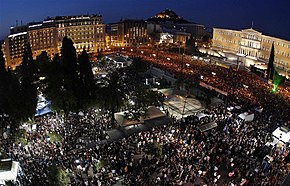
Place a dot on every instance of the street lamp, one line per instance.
(286, 74)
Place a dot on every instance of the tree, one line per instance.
(2, 63)
(206, 38)
(3, 82)
(57, 176)
(28, 68)
(270, 69)
(86, 73)
(69, 58)
(42, 61)
(112, 93)
(71, 81)
(17, 100)
(61, 96)
(277, 79)
(138, 66)
(27, 83)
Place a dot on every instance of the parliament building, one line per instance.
(253, 44)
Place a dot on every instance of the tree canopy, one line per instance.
(270, 69)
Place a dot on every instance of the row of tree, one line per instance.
(18, 93)
(68, 81)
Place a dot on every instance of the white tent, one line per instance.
(282, 134)
(246, 116)
(238, 107)
(9, 173)
(201, 115)
(152, 113)
(259, 109)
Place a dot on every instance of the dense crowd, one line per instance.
(242, 87)
(230, 154)
(75, 131)
(227, 155)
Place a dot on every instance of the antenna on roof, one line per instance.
(252, 24)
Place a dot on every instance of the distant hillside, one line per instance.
(167, 15)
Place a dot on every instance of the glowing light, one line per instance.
(48, 21)
(18, 34)
(142, 52)
(168, 58)
(274, 89)
(37, 25)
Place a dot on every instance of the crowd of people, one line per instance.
(227, 155)
(241, 86)
(177, 153)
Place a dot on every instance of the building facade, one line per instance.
(196, 30)
(129, 33)
(253, 44)
(85, 31)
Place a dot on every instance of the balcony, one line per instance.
(252, 39)
(256, 48)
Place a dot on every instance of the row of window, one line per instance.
(84, 29)
(41, 33)
(82, 33)
(228, 33)
(78, 23)
(251, 36)
(276, 43)
(281, 62)
(276, 51)
(250, 44)
(227, 40)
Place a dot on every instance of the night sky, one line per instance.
(272, 17)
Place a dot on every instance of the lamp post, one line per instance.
(182, 62)
(286, 72)
(183, 109)
(157, 53)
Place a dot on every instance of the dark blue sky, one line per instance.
(272, 17)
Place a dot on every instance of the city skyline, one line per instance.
(269, 17)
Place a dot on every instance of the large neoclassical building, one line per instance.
(86, 31)
(253, 44)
